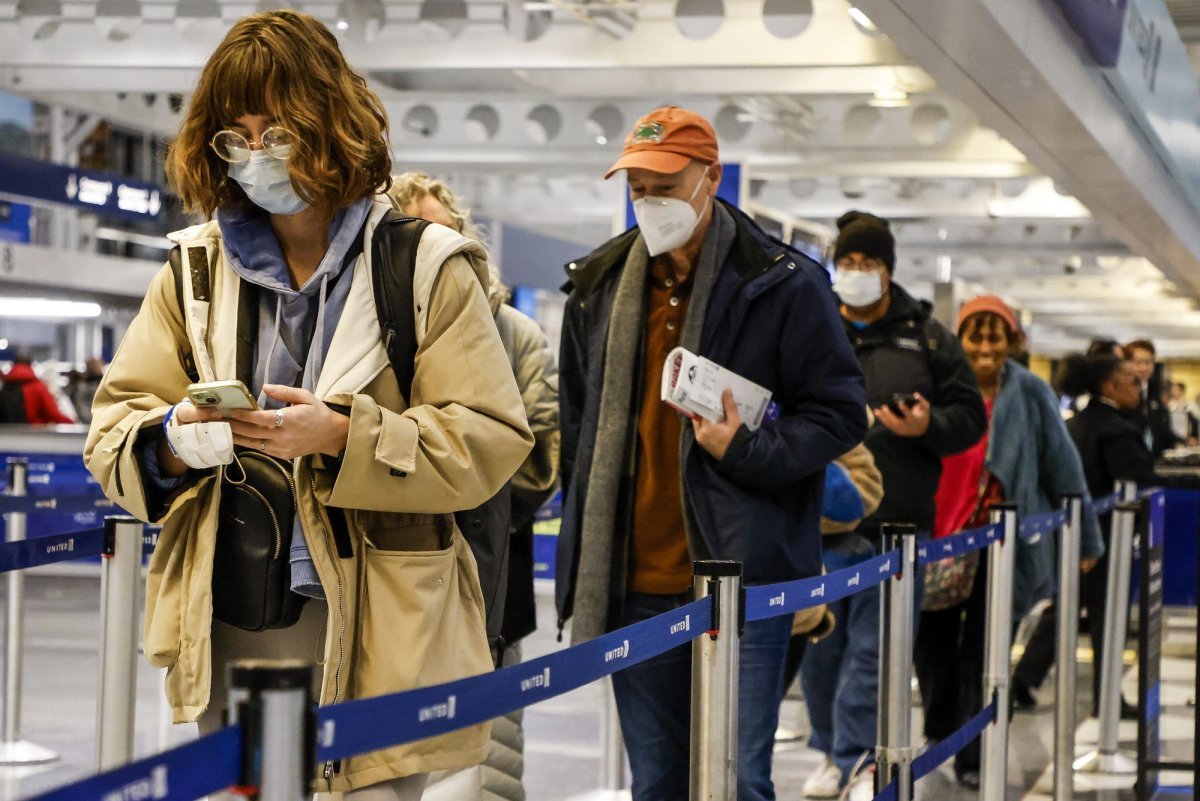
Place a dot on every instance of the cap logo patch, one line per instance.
(648, 132)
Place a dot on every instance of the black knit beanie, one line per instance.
(861, 232)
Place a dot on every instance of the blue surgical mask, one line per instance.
(266, 181)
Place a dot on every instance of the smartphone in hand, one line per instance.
(901, 402)
(224, 396)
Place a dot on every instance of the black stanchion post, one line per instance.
(1002, 555)
(14, 750)
(120, 589)
(897, 608)
(271, 699)
(715, 659)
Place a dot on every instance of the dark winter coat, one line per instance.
(908, 351)
(771, 318)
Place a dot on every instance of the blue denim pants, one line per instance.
(654, 704)
(840, 674)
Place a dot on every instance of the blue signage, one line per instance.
(99, 192)
(1100, 24)
(14, 222)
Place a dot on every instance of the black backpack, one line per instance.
(486, 528)
(12, 403)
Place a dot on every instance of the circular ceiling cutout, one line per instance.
(421, 120)
(803, 188)
(482, 123)
(605, 124)
(191, 13)
(543, 124)
(930, 124)
(449, 16)
(861, 121)
(39, 19)
(732, 123)
(118, 19)
(787, 19)
(360, 19)
(699, 19)
(522, 25)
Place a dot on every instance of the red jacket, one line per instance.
(40, 406)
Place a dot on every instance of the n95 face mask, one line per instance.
(266, 181)
(856, 288)
(667, 223)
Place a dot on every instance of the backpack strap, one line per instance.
(175, 259)
(393, 267)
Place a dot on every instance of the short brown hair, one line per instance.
(287, 65)
(1140, 344)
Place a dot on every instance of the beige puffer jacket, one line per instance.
(405, 608)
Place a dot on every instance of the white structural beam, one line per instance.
(1022, 70)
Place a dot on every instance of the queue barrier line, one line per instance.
(964, 542)
(366, 725)
(34, 504)
(372, 724)
(771, 600)
(941, 753)
(37, 551)
(193, 770)
(1034, 527)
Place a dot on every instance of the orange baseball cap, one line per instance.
(992, 304)
(666, 140)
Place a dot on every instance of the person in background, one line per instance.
(1185, 416)
(853, 490)
(1112, 448)
(927, 406)
(1151, 414)
(82, 388)
(287, 147)
(1026, 458)
(533, 365)
(649, 491)
(25, 399)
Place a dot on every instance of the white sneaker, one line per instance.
(824, 783)
(861, 786)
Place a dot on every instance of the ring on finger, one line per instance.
(279, 418)
(262, 445)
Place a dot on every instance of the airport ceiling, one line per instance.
(523, 103)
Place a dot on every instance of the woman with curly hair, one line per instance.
(287, 147)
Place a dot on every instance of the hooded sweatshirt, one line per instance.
(295, 326)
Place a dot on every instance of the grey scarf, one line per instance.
(613, 459)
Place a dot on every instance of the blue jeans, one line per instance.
(840, 674)
(654, 704)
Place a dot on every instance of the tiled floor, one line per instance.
(562, 758)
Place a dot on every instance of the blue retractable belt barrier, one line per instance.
(48, 550)
(371, 724)
(1104, 505)
(1034, 527)
(972, 540)
(71, 503)
(199, 768)
(772, 600)
(943, 752)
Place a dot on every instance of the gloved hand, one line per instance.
(199, 445)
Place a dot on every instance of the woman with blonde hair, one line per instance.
(284, 143)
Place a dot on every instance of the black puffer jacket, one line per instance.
(908, 351)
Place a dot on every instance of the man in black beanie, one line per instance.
(927, 405)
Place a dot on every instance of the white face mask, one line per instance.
(266, 181)
(667, 223)
(856, 288)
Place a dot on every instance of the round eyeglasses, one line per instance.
(233, 147)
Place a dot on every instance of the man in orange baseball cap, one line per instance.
(647, 490)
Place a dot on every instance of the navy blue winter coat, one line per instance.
(771, 318)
